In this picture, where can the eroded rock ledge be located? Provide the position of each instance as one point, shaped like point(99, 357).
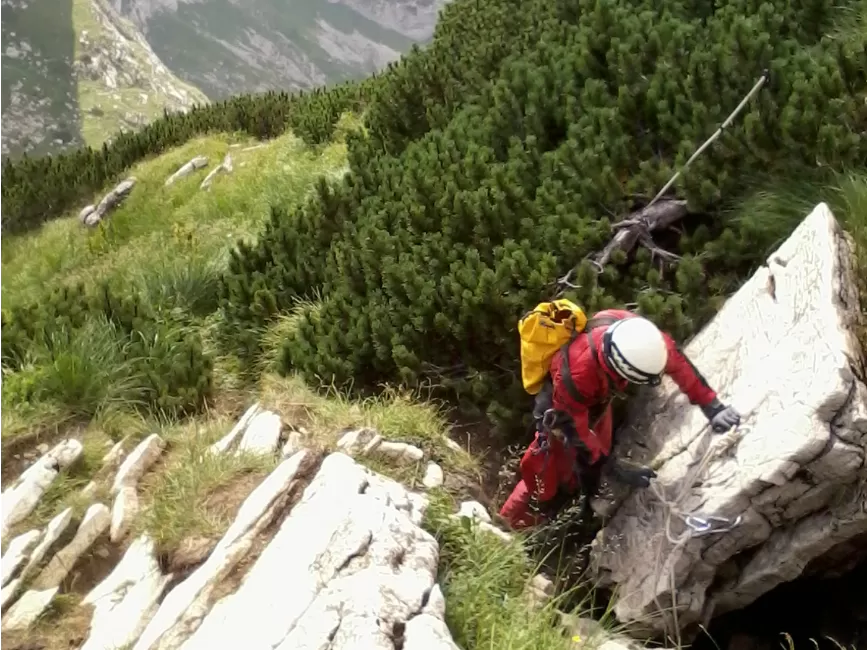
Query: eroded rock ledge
point(784, 352)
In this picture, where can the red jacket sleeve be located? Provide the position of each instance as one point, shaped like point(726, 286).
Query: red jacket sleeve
point(686, 376)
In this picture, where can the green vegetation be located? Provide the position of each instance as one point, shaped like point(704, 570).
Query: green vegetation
point(484, 167)
point(461, 206)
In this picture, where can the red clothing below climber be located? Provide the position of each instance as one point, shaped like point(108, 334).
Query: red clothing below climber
point(544, 473)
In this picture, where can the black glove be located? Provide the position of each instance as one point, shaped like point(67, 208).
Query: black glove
point(635, 476)
point(721, 417)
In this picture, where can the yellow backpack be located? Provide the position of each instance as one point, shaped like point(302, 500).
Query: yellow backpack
point(543, 332)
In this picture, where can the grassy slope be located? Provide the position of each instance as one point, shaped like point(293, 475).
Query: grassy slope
point(169, 241)
point(170, 244)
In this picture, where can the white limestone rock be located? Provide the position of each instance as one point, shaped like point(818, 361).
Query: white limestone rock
point(262, 434)
point(19, 499)
point(123, 513)
point(224, 443)
point(138, 462)
point(183, 608)
point(358, 566)
point(783, 351)
point(55, 528)
point(124, 602)
point(433, 476)
point(188, 168)
point(17, 553)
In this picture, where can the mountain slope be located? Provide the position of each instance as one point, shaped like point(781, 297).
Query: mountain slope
point(75, 72)
point(227, 47)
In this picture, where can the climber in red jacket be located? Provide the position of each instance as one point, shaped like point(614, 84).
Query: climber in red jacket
point(573, 411)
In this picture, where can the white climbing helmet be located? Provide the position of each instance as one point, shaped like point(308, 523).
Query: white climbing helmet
point(635, 350)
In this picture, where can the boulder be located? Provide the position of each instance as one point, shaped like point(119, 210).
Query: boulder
point(184, 607)
point(138, 462)
point(262, 434)
point(788, 485)
point(125, 600)
point(224, 443)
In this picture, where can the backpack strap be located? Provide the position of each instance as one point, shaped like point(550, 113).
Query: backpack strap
point(568, 382)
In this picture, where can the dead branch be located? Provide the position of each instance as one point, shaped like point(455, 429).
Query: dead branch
point(639, 225)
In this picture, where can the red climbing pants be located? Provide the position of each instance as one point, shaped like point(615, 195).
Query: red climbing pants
point(543, 472)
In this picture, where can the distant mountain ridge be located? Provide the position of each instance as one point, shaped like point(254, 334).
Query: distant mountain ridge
point(75, 72)
point(226, 47)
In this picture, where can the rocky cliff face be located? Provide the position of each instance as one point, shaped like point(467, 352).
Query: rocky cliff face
point(76, 73)
point(227, 47)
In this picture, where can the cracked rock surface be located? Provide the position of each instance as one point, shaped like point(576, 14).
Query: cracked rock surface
point(348, 568)
point(783, 351)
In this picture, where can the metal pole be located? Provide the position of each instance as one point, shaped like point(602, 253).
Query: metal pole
point(716, 134)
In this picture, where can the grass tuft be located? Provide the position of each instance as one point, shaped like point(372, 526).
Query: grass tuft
point(181, 499)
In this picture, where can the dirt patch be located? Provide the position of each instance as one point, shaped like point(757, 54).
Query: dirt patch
point(223, 502)
point(93, 567)
point(64, 627)
point(497, 462)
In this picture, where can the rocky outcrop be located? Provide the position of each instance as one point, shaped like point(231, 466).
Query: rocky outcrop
point(188, 168)
point(321, 552)
point(788, 486)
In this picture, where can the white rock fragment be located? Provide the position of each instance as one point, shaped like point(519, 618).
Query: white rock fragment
point(428, 630)
point(225, 166)
point(125, 600)
point(474, 510)
point(16, 554)
point(181, 611)
point(8, 592)
point(294, 444)
point(353, 442)
point(400, 452)
point(95, 522)
point(433, 476)
point(223, 444)
point(55, 528)
point(138, 462)
point(262, 435)
point(123, 513)
point(196, 163)
point(21, 497)
point(27, 609)
point(91, 216)
point(114, 456)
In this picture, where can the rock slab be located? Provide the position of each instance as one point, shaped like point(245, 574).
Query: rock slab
point(349, 568)
point(783, 351)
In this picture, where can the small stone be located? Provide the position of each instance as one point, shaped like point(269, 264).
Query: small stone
point(433, 476)
point(474, 510)
point(400, 452)
point(42, 448)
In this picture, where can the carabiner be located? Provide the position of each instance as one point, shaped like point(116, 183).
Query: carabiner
point(706, 525)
